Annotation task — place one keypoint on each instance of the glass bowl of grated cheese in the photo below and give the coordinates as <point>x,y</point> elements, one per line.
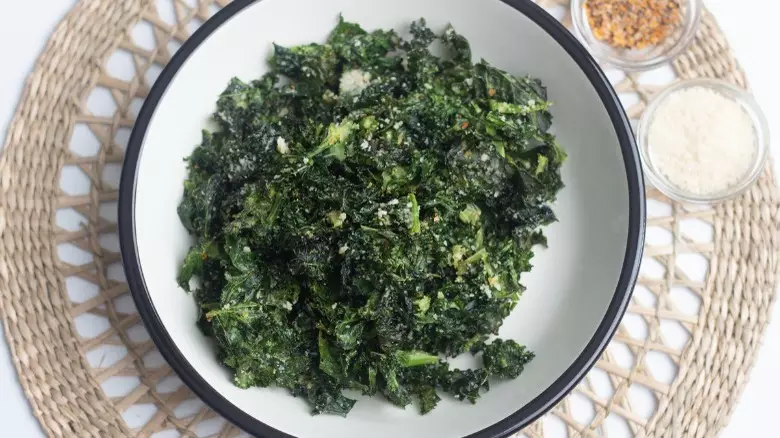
<point>703,141</point>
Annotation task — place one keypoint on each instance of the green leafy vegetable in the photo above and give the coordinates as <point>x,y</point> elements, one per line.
<point>506,359</point>
<point>366,210</point>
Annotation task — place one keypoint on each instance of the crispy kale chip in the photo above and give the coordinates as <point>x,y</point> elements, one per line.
<point>364,211</point>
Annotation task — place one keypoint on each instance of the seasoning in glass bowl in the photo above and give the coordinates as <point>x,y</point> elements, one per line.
<point>703,141</point>
<point>632,24</point>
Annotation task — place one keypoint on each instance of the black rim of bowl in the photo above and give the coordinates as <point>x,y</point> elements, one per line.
<point>514,422</point>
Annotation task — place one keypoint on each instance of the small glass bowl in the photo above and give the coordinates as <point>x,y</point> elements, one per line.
<point>644,59</point>
<point>748,103</point>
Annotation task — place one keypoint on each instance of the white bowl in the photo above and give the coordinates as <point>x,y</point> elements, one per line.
<point>580,285</point>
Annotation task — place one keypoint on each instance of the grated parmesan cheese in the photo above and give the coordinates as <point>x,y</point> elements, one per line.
<point>702,141</point>
<point>281,146</point>
<point>354,82</point>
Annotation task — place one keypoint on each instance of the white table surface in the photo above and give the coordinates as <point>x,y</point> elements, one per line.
<point>26,25</point>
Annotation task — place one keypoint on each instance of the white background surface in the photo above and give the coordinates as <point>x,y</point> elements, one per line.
<point>26,25</point>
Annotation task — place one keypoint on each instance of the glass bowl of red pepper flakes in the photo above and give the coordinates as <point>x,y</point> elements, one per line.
<point>636,35</point>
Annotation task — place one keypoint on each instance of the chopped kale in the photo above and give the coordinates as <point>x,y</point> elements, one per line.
<point>366,210</point>
<point>506,359</point>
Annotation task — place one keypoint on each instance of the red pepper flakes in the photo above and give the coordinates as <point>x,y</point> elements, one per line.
<point>632,24</point>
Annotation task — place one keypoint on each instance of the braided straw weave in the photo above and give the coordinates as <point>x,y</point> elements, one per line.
<point>675,368</point>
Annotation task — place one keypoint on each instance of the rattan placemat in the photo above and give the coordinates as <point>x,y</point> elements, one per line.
<point>675,368</point>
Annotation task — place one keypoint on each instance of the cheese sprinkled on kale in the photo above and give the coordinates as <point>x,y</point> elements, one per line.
<point>366,210</point>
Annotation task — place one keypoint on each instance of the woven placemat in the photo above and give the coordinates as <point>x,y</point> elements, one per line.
<point>675,368</point>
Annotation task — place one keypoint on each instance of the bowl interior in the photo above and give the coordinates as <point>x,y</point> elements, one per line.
<point>571,291</point>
